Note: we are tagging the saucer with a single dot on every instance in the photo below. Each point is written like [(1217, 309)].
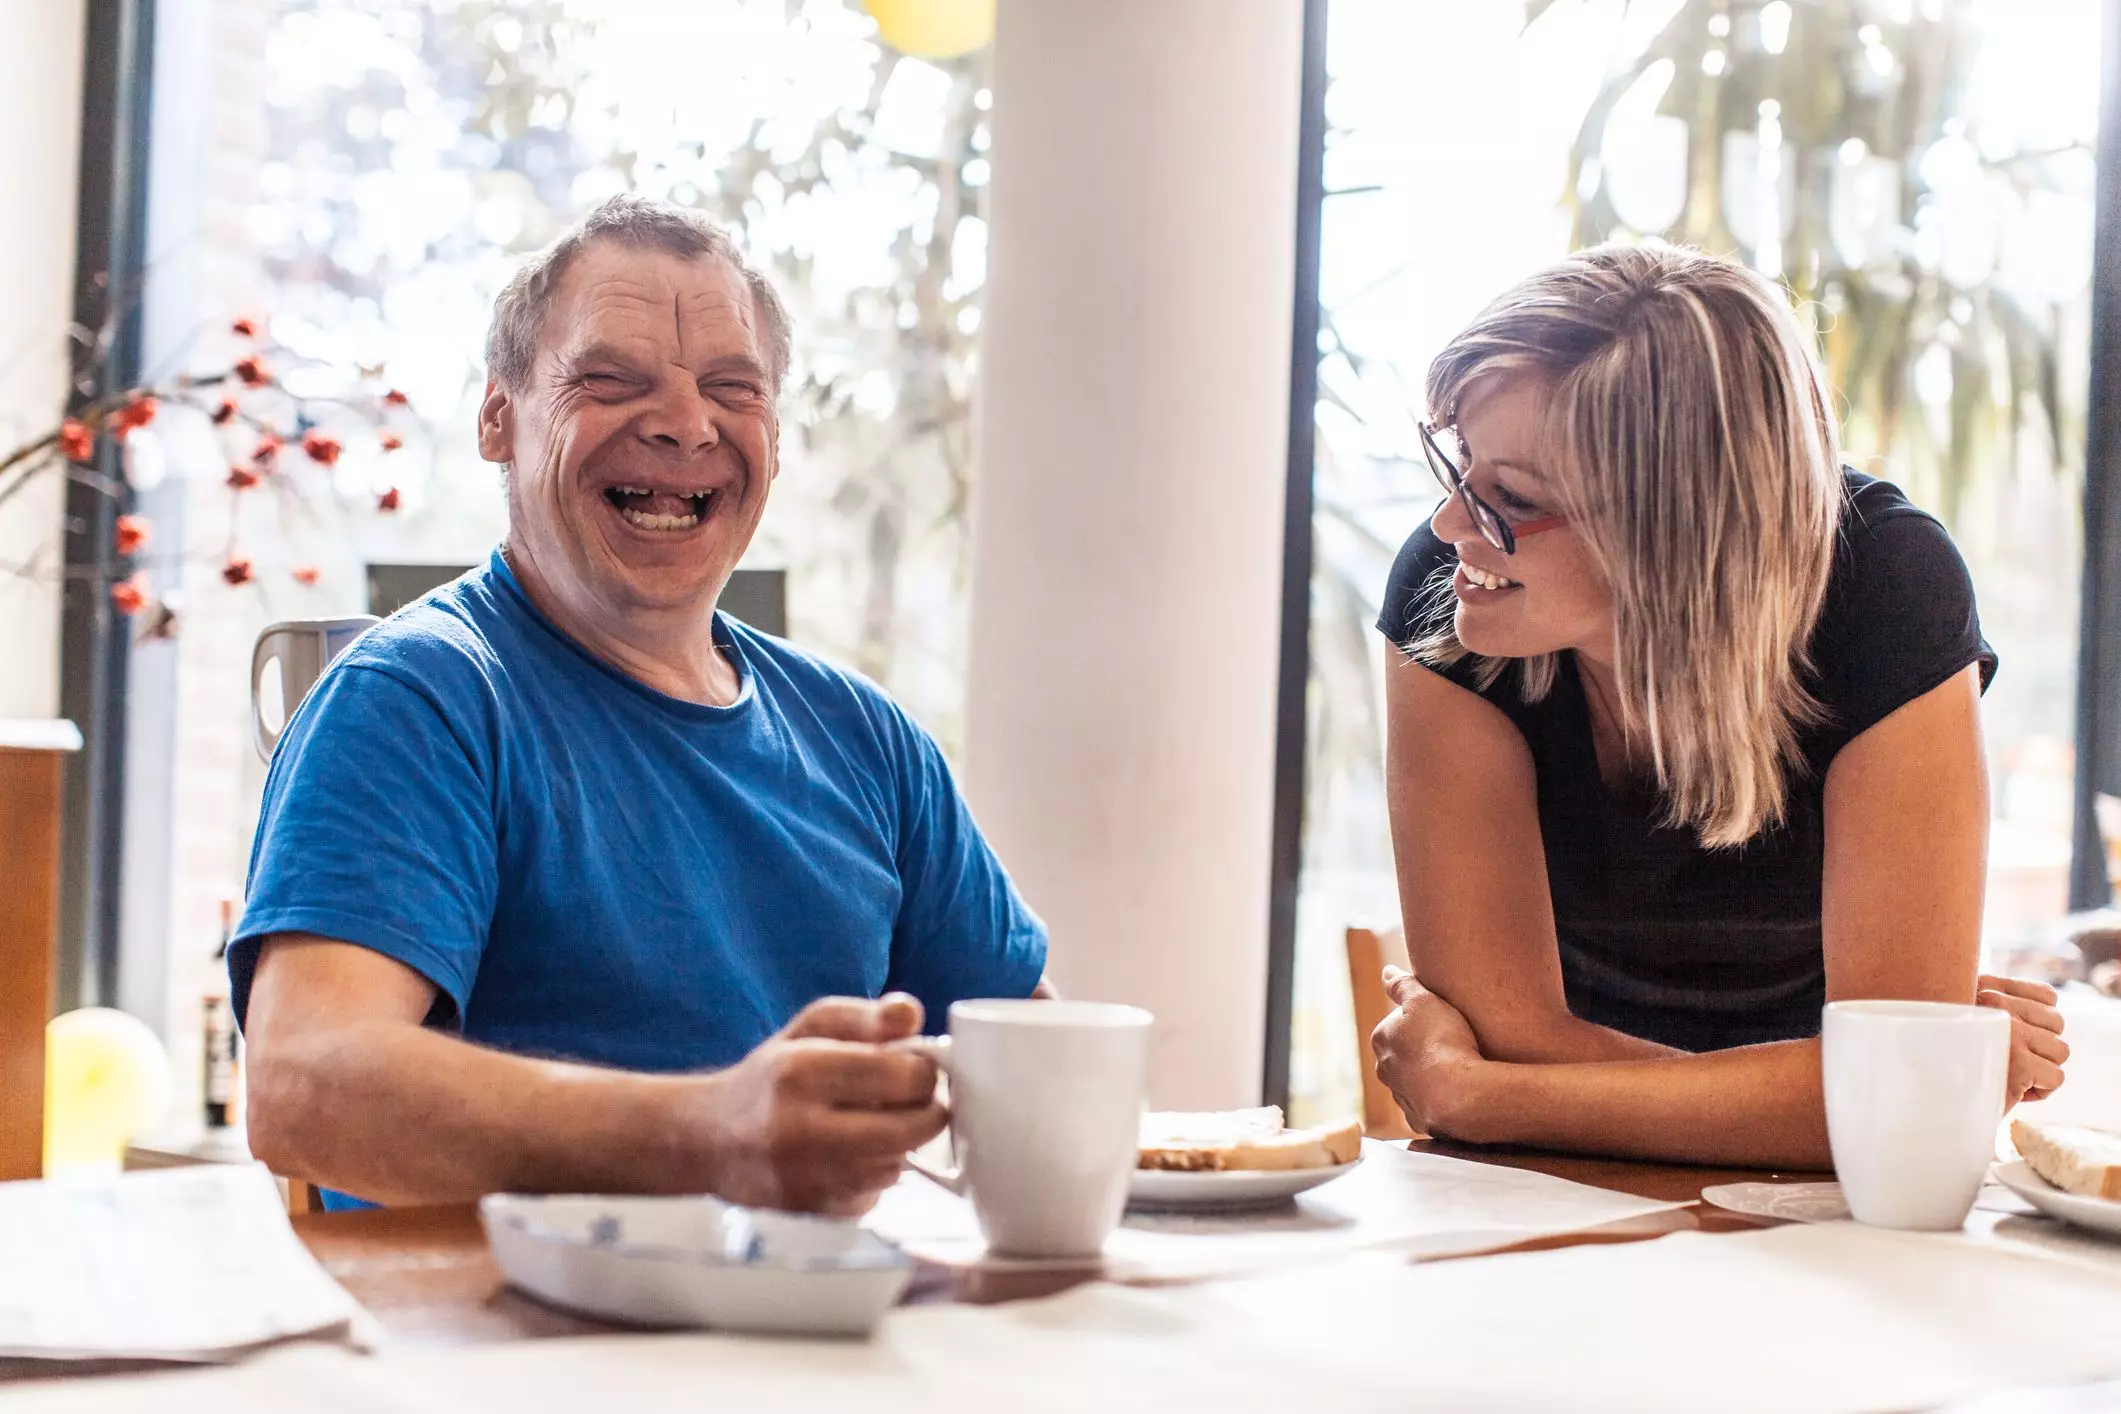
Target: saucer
[(695, 1261), (1169, 1191), (2098, 1214)]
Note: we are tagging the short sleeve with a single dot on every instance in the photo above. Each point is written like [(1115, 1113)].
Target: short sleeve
[(1419, 604), (1903, 623), (377, 828), (962, 930), (1417, 599)]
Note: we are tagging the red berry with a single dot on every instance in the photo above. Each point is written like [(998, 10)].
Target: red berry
[(133, 532), (76, 440), (137, 413)]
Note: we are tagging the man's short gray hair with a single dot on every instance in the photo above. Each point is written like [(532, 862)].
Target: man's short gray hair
[(638, 222)]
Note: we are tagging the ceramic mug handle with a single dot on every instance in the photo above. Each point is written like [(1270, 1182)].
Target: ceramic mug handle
[(269, 647), (937, 1049)]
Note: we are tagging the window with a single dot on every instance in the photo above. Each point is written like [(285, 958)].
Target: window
[(362, 176), (1931, 205)]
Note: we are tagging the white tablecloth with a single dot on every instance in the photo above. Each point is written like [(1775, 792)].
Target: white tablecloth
[(1827, 1318)]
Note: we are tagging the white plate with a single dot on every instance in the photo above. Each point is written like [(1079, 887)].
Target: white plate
[(1164, 1190), (2098, 1214), (695, 1262)]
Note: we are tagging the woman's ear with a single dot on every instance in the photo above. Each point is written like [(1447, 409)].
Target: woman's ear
[(497, 424)]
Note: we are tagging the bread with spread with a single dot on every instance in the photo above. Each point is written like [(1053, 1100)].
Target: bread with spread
[(2073, 1158), (1218, 1141)]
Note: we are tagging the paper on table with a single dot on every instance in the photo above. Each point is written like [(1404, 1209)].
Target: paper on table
[(1422, 1203), (2000, 1219), (1823, 1203), (1836, 1317), (190, 1264)]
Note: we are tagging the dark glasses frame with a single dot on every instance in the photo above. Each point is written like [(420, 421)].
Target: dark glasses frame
[(1497, 531)]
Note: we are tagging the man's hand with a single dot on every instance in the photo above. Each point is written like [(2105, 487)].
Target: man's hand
[(1427, 1054), (820, 1117), (2037, 1047)]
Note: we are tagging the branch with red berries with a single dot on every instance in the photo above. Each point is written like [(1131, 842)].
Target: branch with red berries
[(266, 430)]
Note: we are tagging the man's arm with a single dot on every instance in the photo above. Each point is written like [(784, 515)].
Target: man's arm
[(962, 930), (347, 1089)]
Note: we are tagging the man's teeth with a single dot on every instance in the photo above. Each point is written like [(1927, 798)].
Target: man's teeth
[(650, 520), (1485, 580), (645, 521)]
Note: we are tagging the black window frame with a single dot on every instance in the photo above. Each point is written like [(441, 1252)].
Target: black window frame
[(94, 642)]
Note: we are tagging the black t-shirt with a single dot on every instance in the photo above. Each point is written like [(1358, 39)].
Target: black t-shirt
[(1661, 937)]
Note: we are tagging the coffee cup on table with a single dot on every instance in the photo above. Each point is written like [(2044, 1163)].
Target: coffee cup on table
[(1045, 1118), (1914, 1092)]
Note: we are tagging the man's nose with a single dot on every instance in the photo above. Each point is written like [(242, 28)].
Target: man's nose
[(681, 421)]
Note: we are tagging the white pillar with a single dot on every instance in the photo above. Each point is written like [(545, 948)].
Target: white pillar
[(40, 147), (1133, 433)]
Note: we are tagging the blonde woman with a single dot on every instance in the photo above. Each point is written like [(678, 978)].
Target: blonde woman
[(1684, 732)]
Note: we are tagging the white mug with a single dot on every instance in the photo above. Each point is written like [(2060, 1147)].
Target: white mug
[(305, 648), (1914, 1092), (1045, 1117)]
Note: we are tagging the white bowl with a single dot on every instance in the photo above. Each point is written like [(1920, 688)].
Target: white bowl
[(695, 1261)]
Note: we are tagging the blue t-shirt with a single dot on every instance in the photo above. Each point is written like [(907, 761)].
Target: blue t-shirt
[(590, 870)]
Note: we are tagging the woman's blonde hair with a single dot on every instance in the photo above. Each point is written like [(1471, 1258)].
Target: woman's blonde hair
[(1692, 446)]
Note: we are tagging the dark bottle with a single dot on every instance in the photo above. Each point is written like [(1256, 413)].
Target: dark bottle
[(223, 1064)]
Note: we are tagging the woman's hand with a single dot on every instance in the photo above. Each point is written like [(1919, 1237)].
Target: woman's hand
[(1428, 1056), (2037, 1047)]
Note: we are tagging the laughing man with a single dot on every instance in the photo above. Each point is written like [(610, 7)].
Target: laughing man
[(565, 882)]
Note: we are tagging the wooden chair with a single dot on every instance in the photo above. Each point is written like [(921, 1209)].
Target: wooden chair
[(32, 764), (1369, 949)]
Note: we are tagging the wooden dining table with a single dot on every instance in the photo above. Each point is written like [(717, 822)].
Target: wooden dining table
[(427, 1277)]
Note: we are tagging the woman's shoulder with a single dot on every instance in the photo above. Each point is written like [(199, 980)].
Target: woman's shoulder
[(1900, 616), (1417, 599)]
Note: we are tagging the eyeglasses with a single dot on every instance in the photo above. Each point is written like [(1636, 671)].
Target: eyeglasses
[(1497, 531)]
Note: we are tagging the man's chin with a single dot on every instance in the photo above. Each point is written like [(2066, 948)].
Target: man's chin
[(660, 574)]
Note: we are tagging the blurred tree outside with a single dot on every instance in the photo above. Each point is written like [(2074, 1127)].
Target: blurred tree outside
[(1921, 177), (1919, 172), (418, 149)]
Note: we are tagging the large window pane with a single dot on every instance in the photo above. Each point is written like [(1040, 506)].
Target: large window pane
[(361, 176), (1921, 176)]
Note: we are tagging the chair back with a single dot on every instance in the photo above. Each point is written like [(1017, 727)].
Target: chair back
[(1369, 949)]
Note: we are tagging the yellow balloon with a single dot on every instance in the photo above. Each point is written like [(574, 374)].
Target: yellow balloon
[(933, 29), (106, 1079)]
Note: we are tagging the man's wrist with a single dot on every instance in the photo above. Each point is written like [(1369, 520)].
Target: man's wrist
[(687, 1131)]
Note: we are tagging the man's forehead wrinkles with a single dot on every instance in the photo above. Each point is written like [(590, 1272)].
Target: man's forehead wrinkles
[(656, 312)]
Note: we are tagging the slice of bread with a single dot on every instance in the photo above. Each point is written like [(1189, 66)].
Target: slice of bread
[(2073, 1158), (1219, 1141)]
